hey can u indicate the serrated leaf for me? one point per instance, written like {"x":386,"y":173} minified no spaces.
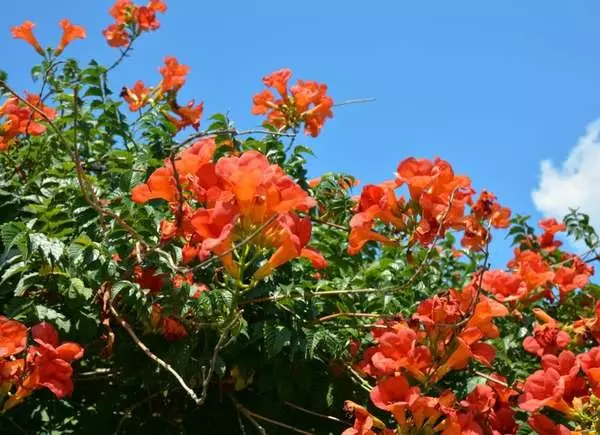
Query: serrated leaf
{"x":53,"y":316}
{"x":474,"y":381}
{"x":276,"y":337}
{"x":119,"y":286}
{"x":77,"y":289}
{"x":13,"y":270}
{"x":50,"y":249}
{"x":14,"y":234}
{"x":25,"y":282}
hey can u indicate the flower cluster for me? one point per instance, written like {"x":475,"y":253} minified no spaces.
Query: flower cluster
{"x":70,"y":33}
{"x":131,"y":20}
{"x":538,"y":270}
{"x":17,"y":118}
{"x":437,"y":203}
{"x":409,"y":357}
{"x":446,"y":332}
{"x":217,"y":204}
{"x":174,"y":77}
{"x":305,"y":102}
{"x":25,"y":368}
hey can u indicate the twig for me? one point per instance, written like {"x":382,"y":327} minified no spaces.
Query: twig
{"x":94,"y":375}
{"x":292,"y":140}
{"x":14,"y":423}
{"x":123,"y":55}
{"x":248,"y":415}
{"x":279,"y":423}
{"x":253,"y":415}
{"x":354,"y":101}
{"x":482,"y":270}
{"x":592,"y":259}
{"x":128,"y":412}
{"x":329,"y":224}
{"x":491,"y":379}
{"x":213,"y":362}
{"x":364,"y":384}
{"x":233,"y":132}
{"x":152,"y":356}
{"x":336,"y":315}
{"x":308,"y":411}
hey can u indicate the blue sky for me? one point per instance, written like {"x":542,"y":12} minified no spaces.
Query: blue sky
{"x":493,"y":87}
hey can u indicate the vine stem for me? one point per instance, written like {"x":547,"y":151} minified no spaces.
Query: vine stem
{"x":491,"y":379}
{"x":317,"y":414}
{"x":122,"y":56}
{"x":213,"y":362}
{"x":253,"y":416}
{"x":190,"y":392}
{"x":81,"y":178}
{"x":336,"y":315}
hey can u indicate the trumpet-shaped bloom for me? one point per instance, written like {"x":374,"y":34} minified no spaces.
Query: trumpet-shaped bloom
{"x":547,"y":339}
{"x":544,"y":388}
{"x":13,"y":337}
{"x":187,"y":115}
{"x":25,"y":32}
{"x":48,"y":365}
{"x":137,"y":96}
{"x":116,"y":35}
{"x":70,"y":33}
{"x":174,"y":74}
{"x":305,"y":102}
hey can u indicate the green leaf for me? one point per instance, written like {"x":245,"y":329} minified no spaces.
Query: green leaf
{"x":13,"y":270}
{"x":474,"y":381}
{"x":14,"y":234}
{"x":275,"y":338}
{"x":50,"y":249}
{"x":49,"y":314}
{"x":77,"y":289}
{"x":25,"y":282}
{"x":93,"y":92}
{"x":119,"y":286}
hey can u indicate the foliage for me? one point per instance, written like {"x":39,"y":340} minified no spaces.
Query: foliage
{"x":213,"y":288}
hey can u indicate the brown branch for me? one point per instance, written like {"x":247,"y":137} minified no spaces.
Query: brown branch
{"x":308,"y":411}
{"x":153,"y":357}
{"x":252,"y":416}
{"x":329,"y":224}
{"x":248,"y":415}
{"x":221,"y":343}
{"x":481,"y":272}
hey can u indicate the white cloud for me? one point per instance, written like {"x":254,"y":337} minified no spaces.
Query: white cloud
{"x":576,"y":183}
